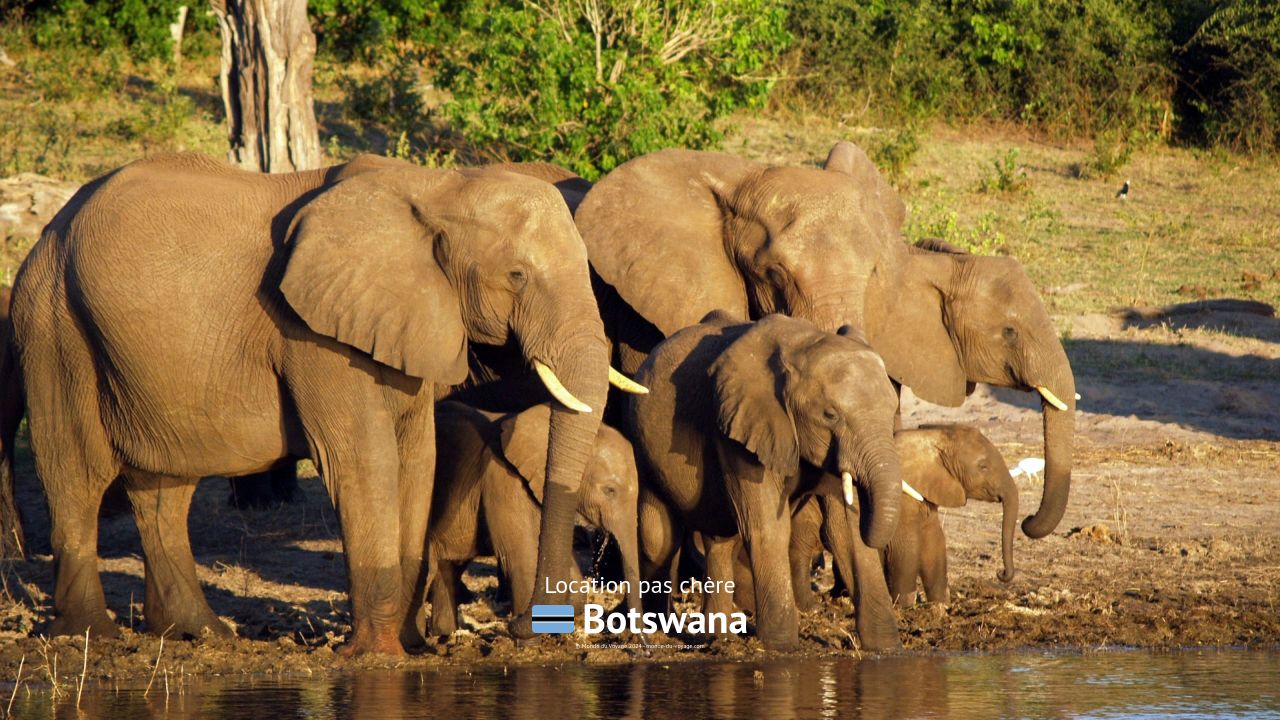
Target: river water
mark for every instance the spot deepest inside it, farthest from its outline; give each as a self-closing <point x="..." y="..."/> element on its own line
<point x="1235" y="684"/>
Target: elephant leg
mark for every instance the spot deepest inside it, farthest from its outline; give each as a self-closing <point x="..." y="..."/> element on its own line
<point x="353" y="443"/>
<point x="721" y="555"/>
<point x="660" y="540"/>
<point x="174" y="603"/>
<point x="806" y="529"/>
<point x="415" y="442"/>
<point x="75" y="472"/>
<point x="444" y="598"/>
<point x="863" y="570"/>
<point x="902" y="567"/>
<point x="78" y="598"/>
<point x="744" y="585"/>
<point x="518" y="560"/>
<point x="767" y="537"/>
<point x="933" y="561"/>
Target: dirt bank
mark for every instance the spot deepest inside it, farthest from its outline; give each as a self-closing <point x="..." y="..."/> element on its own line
<point x="1171" y="538"/>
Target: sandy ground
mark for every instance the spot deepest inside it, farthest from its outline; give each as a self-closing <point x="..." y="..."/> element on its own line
<point x="1171" y="538"/>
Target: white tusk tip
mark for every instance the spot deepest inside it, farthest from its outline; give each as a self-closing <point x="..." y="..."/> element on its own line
<point x="557" y="388"/>
<point x="846" y="484"/>
<point x="915" y="494"/>
<point x="626" y="384"/>
<point x="1051" y="398"/>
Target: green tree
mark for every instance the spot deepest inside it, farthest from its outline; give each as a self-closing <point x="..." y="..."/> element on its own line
<point x="591" y="83"/>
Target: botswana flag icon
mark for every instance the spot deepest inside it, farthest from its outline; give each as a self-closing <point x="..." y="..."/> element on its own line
<point x="553" y="619"/>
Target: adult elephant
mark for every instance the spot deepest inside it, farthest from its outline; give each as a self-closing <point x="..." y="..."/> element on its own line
<point x="678" y="233"/>
<point x="181" y="318"/>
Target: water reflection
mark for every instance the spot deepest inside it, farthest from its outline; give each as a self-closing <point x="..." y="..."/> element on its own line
<point x="1228" y="684"/>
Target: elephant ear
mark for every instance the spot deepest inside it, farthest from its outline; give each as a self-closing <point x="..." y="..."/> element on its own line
<point x="849" y="159"/>
<point x="940" y="488"/>
<point x="749" y="383"/>
<point x="915" y="343"/>
<point x="523" y="441"/>
<point x="945" y="486"/>
<point x="362" y="269"/>
<point x="654" y="230"/>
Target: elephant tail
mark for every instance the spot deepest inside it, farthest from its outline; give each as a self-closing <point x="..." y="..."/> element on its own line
<point x="12" y="405"/>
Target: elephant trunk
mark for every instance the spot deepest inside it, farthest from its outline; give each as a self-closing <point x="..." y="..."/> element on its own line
<point x="880" y="482"/>
<point x="625" y="532"/>
<point x="1059" y="430"/>
<point x="575" y="351"/>
<point x="1008" y="494"/>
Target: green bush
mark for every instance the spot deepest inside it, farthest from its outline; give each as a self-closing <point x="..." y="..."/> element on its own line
<point x="1006" y="176"/>
<point x="371" y="29"/>
<point x="141" y="26"/>
<point x="1071" y="66"/>
<point x="589" y="85"/>
<point x="1232" y="64"/>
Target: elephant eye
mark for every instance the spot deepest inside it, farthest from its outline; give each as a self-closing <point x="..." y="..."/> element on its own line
<point x="776" y="275"/>
<point x="1010" y="334"/>
<point x="517" y="278"/>
<point x="830" y="415"/>
<point x="610" y="491"/>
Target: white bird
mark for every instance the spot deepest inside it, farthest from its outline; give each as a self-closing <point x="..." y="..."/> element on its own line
<point x="1030" y="467"/>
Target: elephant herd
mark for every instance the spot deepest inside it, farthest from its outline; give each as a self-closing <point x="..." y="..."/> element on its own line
<point x="441" y="344"/>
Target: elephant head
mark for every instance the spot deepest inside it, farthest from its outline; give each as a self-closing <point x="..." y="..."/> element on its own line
<point x="609" y="495"/>
<point x="950" y="464"/>
<point x="680" y="233"/>
<point x="789" y="392"/>
<point x="944" y="320"/>
<point x="410" y="265"/>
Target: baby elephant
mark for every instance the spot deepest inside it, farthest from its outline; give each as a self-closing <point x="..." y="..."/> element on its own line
<point x="947" y="465"/>
<point x="488" y="496"/>
<point x="735" y="414"/>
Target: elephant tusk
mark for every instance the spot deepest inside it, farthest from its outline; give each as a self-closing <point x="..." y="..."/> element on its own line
<point x="915" y="494"/>
<point x="1051" y="398"/>
<point x="846" y="482"/>
<point x="557" y="388"/>
<point x="626" y="384"/>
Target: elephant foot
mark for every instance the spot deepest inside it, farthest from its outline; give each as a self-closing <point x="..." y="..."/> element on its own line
<point x="443" y="626"/>
<point x="412" y="640"/>
<point x="781" y="643"/>
<point x="372" y="643"/>
<point x="193" y="625"/>
<point x="879" y="640"/>
<point x="521" y="626"/>
<point x="98" y="624"/>
<point x="806" y="600"/>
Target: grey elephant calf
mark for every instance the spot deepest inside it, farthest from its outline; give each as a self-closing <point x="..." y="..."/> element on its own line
<point x="942" y="466"/>
<point x="488" y="499"/>
<point x="946" y="465"/>
<point x="735" y="414"/>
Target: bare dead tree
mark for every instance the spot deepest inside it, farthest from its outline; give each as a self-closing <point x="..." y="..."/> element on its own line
<point x="268" y="51"/>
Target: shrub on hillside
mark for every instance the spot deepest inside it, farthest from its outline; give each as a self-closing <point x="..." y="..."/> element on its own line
<point x="1071" y="66"/>
<point x="141" y="26"/>
<point x="1232" y="64"/>
<point x="589" y="84"/>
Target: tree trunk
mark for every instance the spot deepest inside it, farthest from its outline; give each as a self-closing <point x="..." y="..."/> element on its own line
<point x="267" y="54"/>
